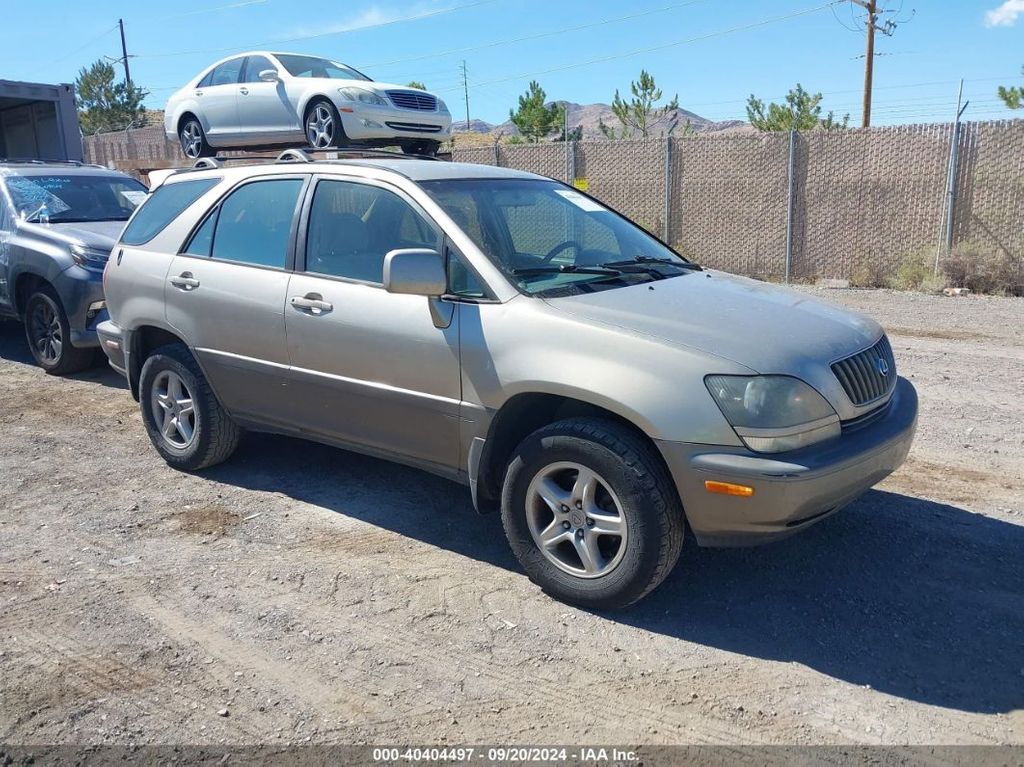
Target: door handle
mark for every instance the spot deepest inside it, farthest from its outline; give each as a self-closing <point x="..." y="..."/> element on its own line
<point x="313" y="303"/>
<point x="184" y="281"/>
<point x="244" y="91"/>
<point x="199" y="93"/>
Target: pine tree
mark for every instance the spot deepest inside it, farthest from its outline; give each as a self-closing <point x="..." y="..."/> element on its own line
<point x="639" y="116"/>
<point x="1012" y="96"/>
<point x="802" y="111"/>
<point x="417" y="85"/>
<point x="535" y="119"/>
<point x="104" y="105"/>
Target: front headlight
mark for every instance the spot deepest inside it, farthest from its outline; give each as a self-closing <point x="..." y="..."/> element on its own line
<point x="352" y="93"/>
<point x="93" y="259"/>
<point x="772" y="414"/>
<point x="441" y="106"/>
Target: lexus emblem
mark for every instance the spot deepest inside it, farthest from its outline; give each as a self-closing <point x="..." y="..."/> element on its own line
<point x="882" y="366"/>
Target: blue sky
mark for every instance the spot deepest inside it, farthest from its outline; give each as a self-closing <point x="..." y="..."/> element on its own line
<point x="713" y="53"/>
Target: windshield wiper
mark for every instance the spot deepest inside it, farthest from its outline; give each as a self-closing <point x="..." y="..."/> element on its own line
<point x="603" y="269"/>
<point x="652" y="260"/>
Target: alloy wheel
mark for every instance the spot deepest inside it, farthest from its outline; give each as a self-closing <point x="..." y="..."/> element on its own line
<point x="320" y="127"/>
<point x="576" y="520"/>
<point x="46" y="332"/>
<point x="192" y="139"/>
<point x="173" y="409"/>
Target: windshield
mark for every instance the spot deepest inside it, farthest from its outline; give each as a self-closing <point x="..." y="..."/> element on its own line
<point x="71" y="197"/>
<point x="314" y="66"/>
<point x="549" y="238"/>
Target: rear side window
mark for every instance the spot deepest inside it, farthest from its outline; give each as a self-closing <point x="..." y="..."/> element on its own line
<point x="254" y="223"/>
<point x="162" y="207"/>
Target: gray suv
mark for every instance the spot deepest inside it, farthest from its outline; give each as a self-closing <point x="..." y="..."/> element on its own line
<point x="506" y="331"/>
<point x="58" y="222"/>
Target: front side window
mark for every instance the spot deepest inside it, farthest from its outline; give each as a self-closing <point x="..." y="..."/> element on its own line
<point x="253" y="66"/>
<point x="227" y="73"/>
<point x="74" y="198"/>
<point x="549" y="238"/>
<point x="352" y="226"/>
<point x="162" y="206"/>
<point x="314" y="66"/>
<point x="253" y="224"/>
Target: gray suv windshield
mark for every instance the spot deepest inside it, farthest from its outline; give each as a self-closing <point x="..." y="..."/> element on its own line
<point x="549" y="238"/>
<point x="73" y="197"/>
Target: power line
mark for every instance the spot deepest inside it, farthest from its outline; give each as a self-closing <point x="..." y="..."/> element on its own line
<point x="537" y="36"/>
<point x="665" y="46"/>
<point x="318" y="35"/>
<point x="82" y="47"/>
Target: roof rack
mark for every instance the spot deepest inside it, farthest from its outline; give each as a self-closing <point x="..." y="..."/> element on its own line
<point x="296" y="155"/>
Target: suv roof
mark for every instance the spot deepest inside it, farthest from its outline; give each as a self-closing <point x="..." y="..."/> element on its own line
<point x="47" y="167"/>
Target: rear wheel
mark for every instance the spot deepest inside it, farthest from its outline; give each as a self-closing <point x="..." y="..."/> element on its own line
<point x="49" y="335"/>
<point x="591" y="514"/>
<point x="183" y="417"/>
<point x="323" y="126"/>
<point x="427" y="148"/>
<point x="193" y="140"/>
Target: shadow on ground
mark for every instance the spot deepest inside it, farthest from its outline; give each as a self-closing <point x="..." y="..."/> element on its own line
<point x="14" y="348"/>
<point x="917" y="599"/>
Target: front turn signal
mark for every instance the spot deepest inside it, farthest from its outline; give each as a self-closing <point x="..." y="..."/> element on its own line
<point x="728" y="488"/>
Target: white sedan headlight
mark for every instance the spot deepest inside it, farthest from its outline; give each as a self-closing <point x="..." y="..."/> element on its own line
<point x="352" y="93"/>
<point x="441" y="106"/>
<point x="772" y="414"/>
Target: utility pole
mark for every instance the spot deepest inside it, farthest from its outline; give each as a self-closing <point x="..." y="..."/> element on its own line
<point x="465" y="89"/>
<point x="871" y="6"/>
<point x="124" y="55"/>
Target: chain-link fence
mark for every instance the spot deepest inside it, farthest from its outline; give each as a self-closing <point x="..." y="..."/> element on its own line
<point x="810" y="206"/>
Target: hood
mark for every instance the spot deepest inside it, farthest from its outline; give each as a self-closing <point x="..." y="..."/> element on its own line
<point x="764" y="327"/>
<point x="102" y="235"/>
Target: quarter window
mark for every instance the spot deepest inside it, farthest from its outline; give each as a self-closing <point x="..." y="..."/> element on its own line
<point x="162" y="206"/>
<point x="353" y="226"/>
<point x="254" y="223"/>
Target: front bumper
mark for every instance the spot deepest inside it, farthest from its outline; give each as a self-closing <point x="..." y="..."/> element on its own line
<point x="791" y="490"/>
<point x="79" y="290"/>
<point x="363" y="122"/>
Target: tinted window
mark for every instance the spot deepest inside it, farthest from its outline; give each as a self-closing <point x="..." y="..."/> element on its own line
<point x="253" y="66"/>
<point x="353" y="226"/>
<point x="314" y="66"/>
<point x="67" y="198"/>
<point x="201" y="243"/>
<point x="207" y="80"/>
<point x="255" y="222"/>
<point x="227" y="73"/>
<point x="162" y="207"/>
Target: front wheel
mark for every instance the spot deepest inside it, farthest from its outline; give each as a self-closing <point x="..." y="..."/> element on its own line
<point x="591" y="513"/>
<point x="49" y="335"/>
<point x="323" y="126"/>
<point x="183" y="417"/>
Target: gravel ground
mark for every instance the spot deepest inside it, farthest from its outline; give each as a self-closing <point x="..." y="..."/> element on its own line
<point x="305" y="594"/>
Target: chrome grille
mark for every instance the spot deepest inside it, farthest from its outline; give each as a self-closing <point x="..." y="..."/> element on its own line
<point x="424" y="102"/>
<point x="418" y="127"/>
<point x="868" y="375"/>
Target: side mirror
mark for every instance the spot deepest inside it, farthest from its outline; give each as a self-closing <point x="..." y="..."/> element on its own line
<point x="415" y="271"/>
<point x="268" y="75"/>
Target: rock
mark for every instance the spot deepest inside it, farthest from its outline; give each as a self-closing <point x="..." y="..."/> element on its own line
<point x="223" y="712"/>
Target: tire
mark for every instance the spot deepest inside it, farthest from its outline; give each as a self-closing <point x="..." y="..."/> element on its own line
<point x="322" y="126"/>
<point x="425" y="148"/>
<point x="630" y="479"/>
<point x="201" y="438"/>
<point x="49" y="335"/>
<point x="192" y="139"/>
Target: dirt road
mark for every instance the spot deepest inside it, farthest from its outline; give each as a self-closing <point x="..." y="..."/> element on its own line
<point x="305" y="594"/>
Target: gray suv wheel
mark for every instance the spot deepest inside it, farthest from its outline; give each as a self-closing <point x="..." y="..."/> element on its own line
<point x="49" y="335"/>
<point x="591" y="513"/>
<point x="183" y="417"/>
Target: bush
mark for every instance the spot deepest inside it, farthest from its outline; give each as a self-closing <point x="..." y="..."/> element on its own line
<point x="869" y="275"/>
<point x="914" y="270"/>
<point x="984" y="269"/>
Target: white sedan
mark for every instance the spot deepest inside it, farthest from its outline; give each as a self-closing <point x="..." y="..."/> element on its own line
<point x="263" y="99"/>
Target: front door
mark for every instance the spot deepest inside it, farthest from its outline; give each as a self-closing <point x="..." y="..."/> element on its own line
<point x="226" y="294"/>
<point x="373" y="368"/>
<point x="264" y="112"/>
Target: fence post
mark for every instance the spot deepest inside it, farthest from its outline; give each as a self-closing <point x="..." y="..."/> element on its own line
<point x="789" y="203"/>
<point x="667" y="233"/>
<point x="497" y="155"/>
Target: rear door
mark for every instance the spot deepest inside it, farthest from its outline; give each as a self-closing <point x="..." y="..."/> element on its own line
<point x="219" y="100"/>
<point x="263" y="108"/>
<point x="226" y="291"/>
<point x="371" y="367"/>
